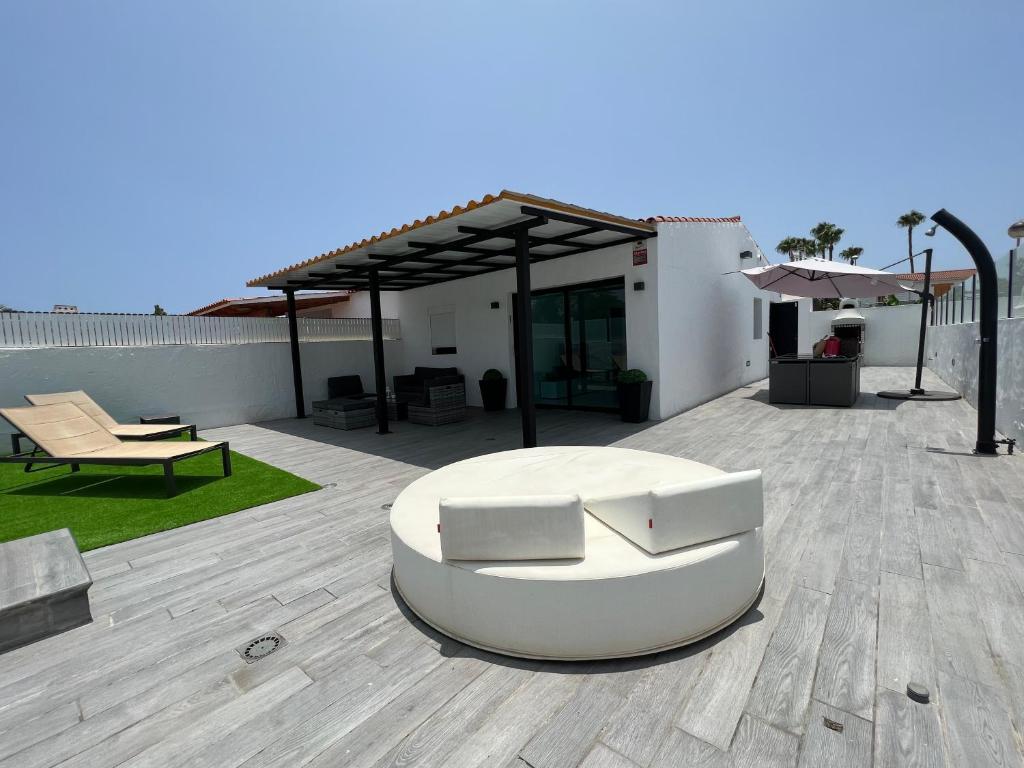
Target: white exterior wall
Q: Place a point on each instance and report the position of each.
(209, 385)
(890, 333)
(484, 336)
(706, 317)
(690, 329)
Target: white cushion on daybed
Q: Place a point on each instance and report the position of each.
(542, 527)
(670, 516)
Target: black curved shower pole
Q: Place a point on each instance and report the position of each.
(988, 326)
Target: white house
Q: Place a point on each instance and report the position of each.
(608, 292)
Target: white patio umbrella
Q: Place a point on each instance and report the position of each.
(822, 279)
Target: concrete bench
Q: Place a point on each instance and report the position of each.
(44, 588)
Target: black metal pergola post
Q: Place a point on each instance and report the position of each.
(524, 365)
(293, 337)
(379, 375)
(988, 330)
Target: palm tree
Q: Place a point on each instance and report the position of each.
(806, 247)
(827, 235)
(908, 221)
(787, 246)
(851, 254)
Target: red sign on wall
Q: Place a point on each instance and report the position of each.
(639, 253)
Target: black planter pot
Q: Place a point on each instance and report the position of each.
(635, 401)
(492, 392)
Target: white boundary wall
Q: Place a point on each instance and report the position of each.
(952, 353)
(210, 385)
(890, 333)
(47, 329)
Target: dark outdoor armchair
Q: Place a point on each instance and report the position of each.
(414, 388)
(346, 386)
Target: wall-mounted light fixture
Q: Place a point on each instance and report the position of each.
(638, 286)
(495, 305)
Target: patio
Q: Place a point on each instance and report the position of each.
(893, 555)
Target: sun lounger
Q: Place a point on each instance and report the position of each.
(68, 435)
(123, 431)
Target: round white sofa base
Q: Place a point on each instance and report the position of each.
(624, 654)
(618, 600)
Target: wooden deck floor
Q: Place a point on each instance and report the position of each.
(892, 555)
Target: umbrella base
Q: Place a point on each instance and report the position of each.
(917, 394)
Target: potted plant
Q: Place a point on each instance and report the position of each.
(493, 387)
(634, 395)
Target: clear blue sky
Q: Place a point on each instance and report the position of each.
(166, 152)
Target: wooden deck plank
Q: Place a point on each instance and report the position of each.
(938, 547)
(972, 534)
(904, 634)
(682, 748)
(759, 745)
(498, 739)
(642, 724)
(461, 716)
(715, 704)
(603, 757)
(782, 689)
(958, 634)
(571, 733)
(978, 730)
(827, 746)
(907, 733)
(846, 664)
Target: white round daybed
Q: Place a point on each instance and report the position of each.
(622, 597)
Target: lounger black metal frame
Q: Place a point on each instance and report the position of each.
(33, 457)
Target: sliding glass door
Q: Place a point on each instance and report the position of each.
(579, 345)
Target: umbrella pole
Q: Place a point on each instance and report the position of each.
(926, 298)
(918, 392)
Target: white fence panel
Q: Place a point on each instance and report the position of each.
(46, 329)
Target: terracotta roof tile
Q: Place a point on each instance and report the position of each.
(693, 220)
(473, 204)
(440, 216)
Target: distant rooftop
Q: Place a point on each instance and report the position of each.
(268, 306)
(940, 276)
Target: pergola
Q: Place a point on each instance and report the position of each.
(505, 231)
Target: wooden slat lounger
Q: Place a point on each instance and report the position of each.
(70, 436)
(123, 431)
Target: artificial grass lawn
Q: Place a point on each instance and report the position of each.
(106, 505)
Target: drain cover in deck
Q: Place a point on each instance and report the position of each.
(261, 647)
